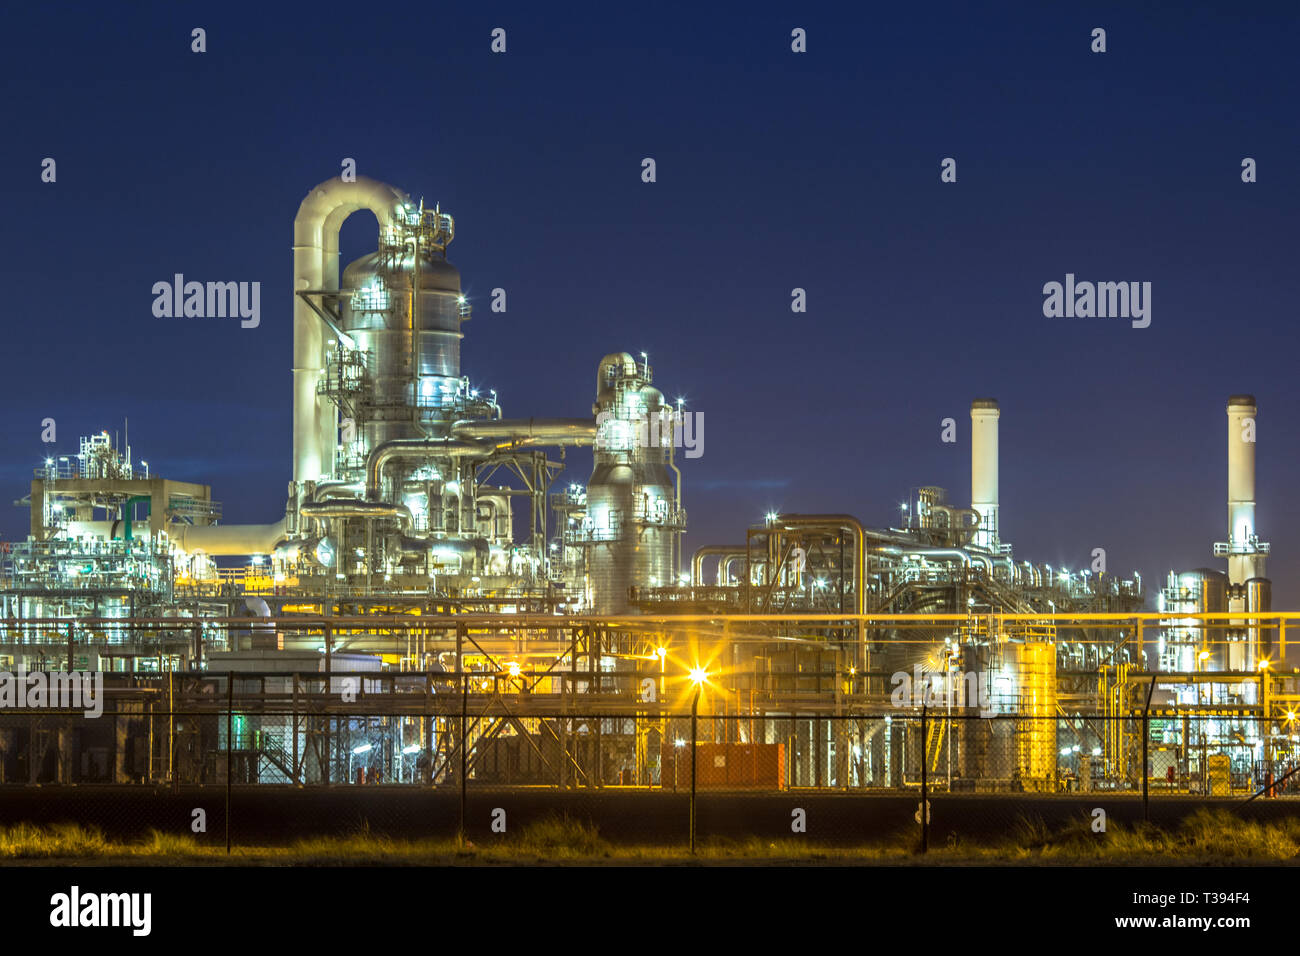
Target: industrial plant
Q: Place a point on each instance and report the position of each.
(437, 558)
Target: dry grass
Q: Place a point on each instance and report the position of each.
(1207, 836)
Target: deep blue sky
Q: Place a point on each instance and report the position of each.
(775, 170)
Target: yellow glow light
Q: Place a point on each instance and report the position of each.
(699, 675)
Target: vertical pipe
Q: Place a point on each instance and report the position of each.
(1146, 737)
(293, 728)
(428, 728)
(925, 782)
(329, 690)
(464, 751)
(695, 718)
(230, 747)
(171, 731)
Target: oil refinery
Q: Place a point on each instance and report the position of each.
(448, 554)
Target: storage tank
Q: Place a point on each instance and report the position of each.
(1008, 740)
(1211, 596)
(1034, 667)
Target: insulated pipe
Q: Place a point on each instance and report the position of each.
(721, 551)
(944, 554)
(316, 266)
(381, 455)
(476, 549)
(326, 490)
(356, 508)
(1013, 570)
(94, 529)
(984, 414)
(1029, 573)
(531, 431)
(228, 539)
(836, 521)
(839, 521)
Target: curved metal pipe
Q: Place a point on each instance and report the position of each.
(529, 431)
(720, 550)
(325, 490)
(228, 539)
(965, 557)
(1013, 572)
(476, 548)
(837, 521)
(950, 553)
(356, 508)
(316, 267)
(381, 455)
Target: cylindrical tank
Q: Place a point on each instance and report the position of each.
(632, 520)
(1034, 668)
(1020, 682)
(1259, 600)
(1210, 588)
(378, 318)
(1213, 590)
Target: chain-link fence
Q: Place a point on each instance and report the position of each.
(275, 758)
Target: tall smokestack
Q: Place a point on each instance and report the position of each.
(1248, 589)
(984, 415)
(1243, 560)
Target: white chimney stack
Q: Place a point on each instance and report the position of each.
(984, 415)
(1244, 551)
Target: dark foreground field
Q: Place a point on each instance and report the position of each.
(379, 824)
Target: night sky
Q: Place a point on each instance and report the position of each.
(775, 170)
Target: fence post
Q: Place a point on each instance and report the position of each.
(428, 728)
(329, 694)
(171, 730)
(464, 749)
(230, 747)
(1146, 737)
(695, 719)
(925, 782)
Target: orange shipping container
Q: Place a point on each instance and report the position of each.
(725, 766)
